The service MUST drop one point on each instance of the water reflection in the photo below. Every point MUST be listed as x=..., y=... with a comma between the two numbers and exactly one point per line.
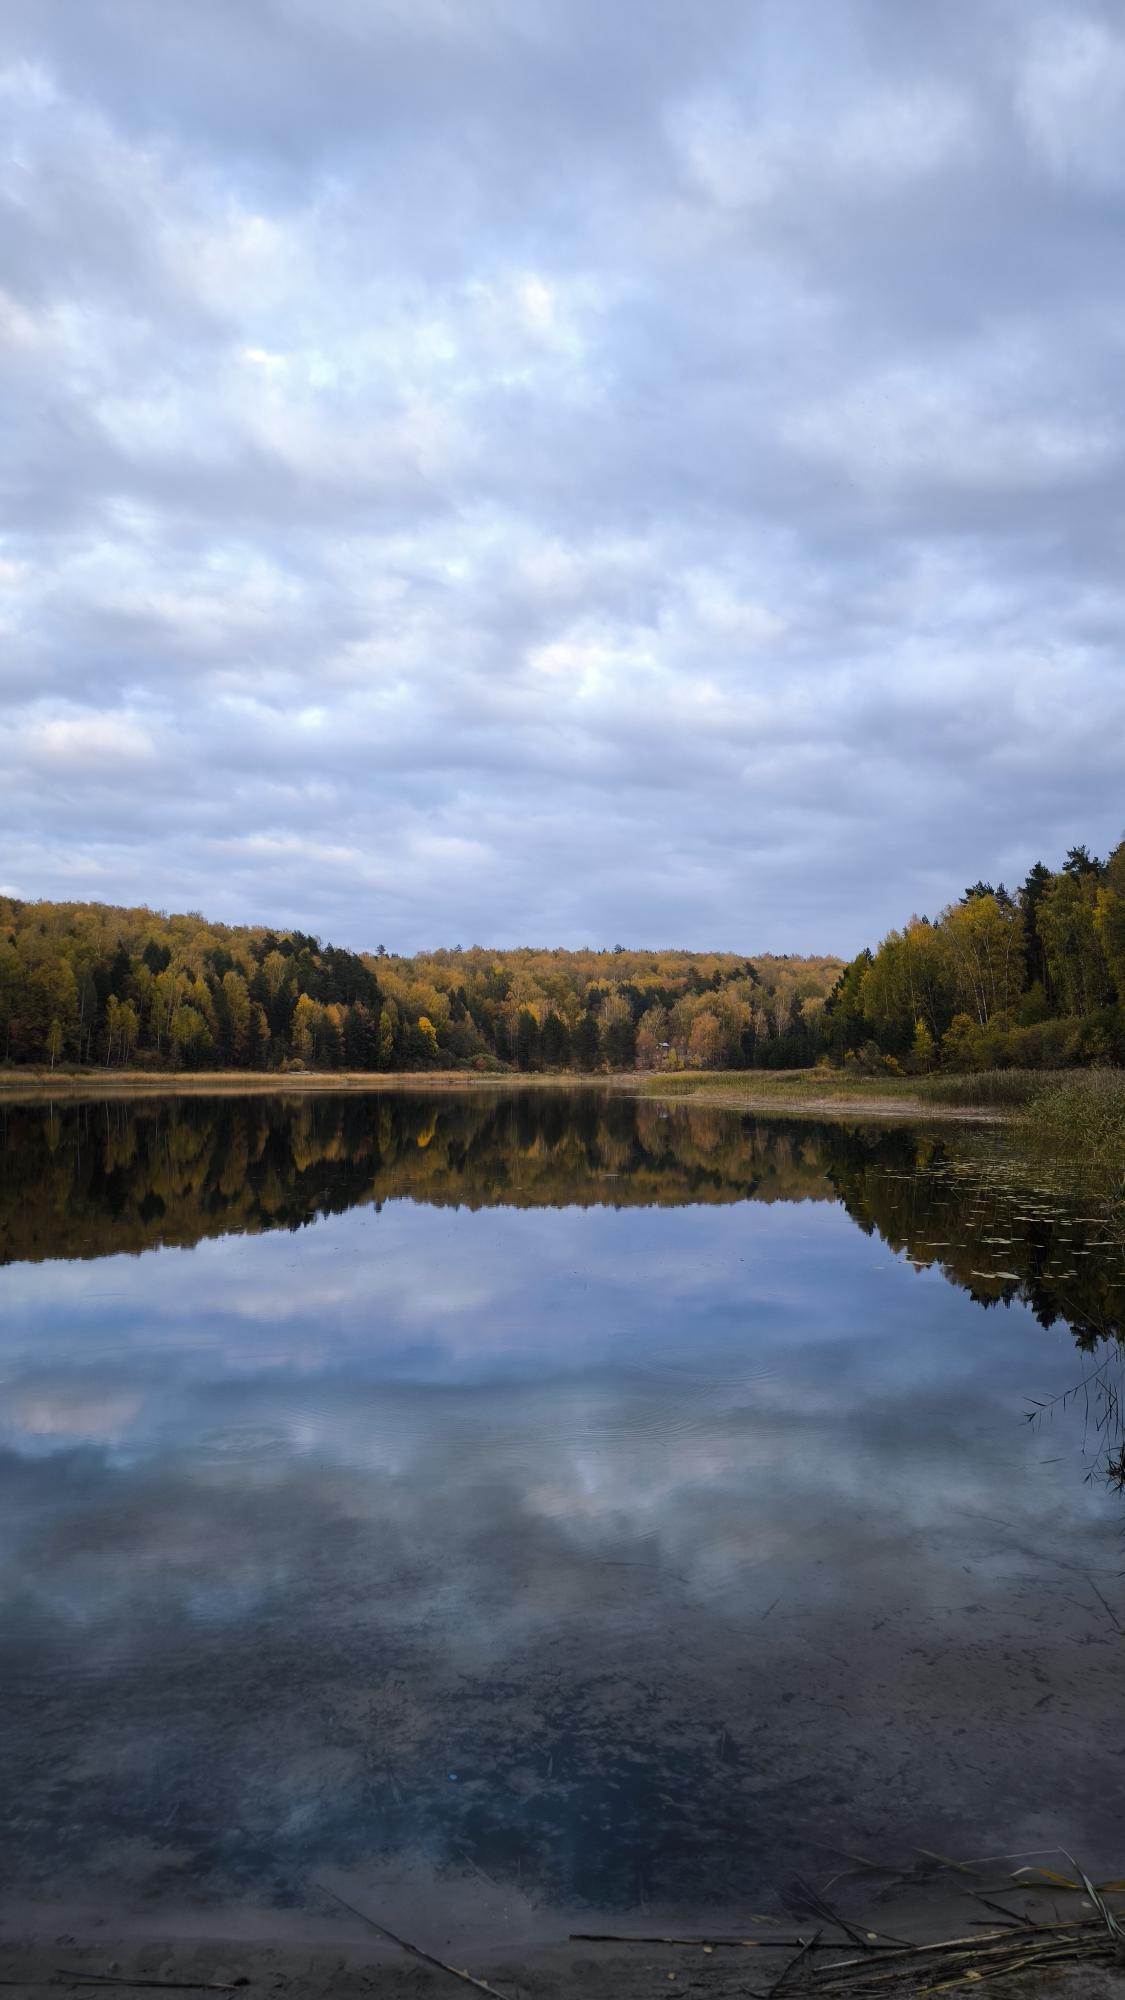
x=91, y=1180
x=611, y=1518
x=127, y=1176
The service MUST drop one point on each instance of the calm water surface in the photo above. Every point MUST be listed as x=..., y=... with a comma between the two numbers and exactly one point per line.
x=545, y=1505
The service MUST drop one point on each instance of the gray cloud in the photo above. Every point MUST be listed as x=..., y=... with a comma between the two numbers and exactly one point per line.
x=559, y=473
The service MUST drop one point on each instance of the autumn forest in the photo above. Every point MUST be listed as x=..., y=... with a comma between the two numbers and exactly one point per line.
x=1032, y=977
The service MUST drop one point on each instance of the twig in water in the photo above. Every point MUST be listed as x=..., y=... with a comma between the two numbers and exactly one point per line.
x=874, y=1970
x=415, y=1950
x=814, y=1902
x=707, y=1943
x=1011, y=1915
x=810, y=1944
x=1107, y=1608
x=165, y=1985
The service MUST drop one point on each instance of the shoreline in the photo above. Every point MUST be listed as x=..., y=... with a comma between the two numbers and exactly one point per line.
x=914, y=1108
x=780, y=1100
x=343, y=1954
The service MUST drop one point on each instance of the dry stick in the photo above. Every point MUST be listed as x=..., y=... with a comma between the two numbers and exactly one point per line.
x=1005, y=1969
x=817, y=1906
x=1107, y=1608
x=810, y=1944
x=1007, y=1966
x=415, y=1950
x=1012, y=1916
x=176, y=1985
x=886, y=1965
x=712, y=1943
x=888, y=1980
x=996, y=1962
x=1042, y=1954
x=914, y=1950
x=1046, y=1930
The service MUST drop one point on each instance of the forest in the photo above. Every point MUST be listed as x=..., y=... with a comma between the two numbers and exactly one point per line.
x=1033, y=978
x=88, y=983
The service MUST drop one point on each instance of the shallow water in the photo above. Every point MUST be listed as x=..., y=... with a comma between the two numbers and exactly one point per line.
x=546, y=1505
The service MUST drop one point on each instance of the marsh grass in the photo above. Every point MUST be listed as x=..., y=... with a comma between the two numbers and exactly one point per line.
x=1076, y=1115
x=1003, y=1087
x=1083, y=1115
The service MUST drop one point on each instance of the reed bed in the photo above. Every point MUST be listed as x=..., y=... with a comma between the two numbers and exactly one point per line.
x=1016, y=1088
x=1083, y=1113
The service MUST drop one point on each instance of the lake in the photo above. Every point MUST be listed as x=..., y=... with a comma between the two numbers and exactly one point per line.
x=546, y=1505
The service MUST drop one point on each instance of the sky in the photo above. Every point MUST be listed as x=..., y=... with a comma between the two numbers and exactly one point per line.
x=541, y=471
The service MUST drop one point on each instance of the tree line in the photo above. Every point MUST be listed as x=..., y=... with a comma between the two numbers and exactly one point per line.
x=1034, y=977
x=90, y=983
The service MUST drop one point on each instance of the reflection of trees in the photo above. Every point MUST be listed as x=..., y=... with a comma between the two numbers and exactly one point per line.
x=1001, y=1238
x=88, y=1180
x=994, y=1233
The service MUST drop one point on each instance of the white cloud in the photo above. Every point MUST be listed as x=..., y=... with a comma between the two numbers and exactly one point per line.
x=88, y=742
x=543, y=473
x=1071, y=98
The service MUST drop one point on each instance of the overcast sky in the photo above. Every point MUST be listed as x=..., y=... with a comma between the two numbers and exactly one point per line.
x=559, y=471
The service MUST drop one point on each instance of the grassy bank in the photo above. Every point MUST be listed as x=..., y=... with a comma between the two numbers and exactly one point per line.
x=1077, y=1114
x=782, y=1090
x=1074, y=1114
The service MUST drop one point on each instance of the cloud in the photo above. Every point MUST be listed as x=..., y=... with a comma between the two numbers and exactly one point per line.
x=1071, y=98
x=551, y=473
x=76, y=743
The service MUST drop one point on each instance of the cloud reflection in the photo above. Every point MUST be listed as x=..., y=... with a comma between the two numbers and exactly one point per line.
x=681, y=1537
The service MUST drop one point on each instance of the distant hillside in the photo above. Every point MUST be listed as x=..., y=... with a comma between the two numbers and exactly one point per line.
x=91, y=983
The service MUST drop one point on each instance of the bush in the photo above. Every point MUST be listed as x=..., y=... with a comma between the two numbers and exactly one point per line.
x=868, y=1060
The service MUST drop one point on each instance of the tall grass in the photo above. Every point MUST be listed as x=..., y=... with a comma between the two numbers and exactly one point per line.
x=1072, y=1113
x=1083, y=1114
x=992, y=1086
